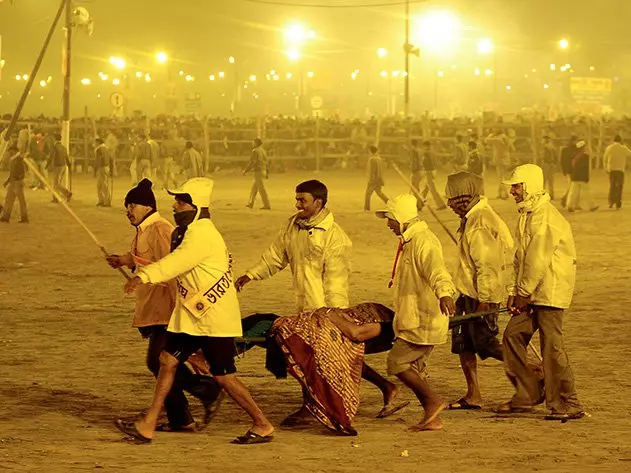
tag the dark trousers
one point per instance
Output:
(374, 188)
(616, 184)
(15, 190)
(205, 388)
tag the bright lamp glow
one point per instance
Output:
(162, 57)
(231, 59)
(438, 32)
(485, 46)
(252, 78)
(297, 34)
(293, 54)
(42, 83)
(564, 44)
(86, 81)
(382, 52)
(118, 62)
(116, 81)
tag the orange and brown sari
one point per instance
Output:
(326, 362)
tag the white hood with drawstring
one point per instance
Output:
(545, 256)
(421, 277)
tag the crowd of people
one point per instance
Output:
(168, 162)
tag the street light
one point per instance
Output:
(252, 78)
(382, 52)
(118, 62)
(297, 34)
(485, 46)
(438, 31)
(86, 81)
(162, 57)
(564, 44)
(293, 54)
(231, 59)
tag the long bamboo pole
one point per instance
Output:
(63, 203)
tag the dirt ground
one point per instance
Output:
(72, 363)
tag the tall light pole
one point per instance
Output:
(406, 89)
(65, 123)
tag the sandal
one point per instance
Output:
(390, 409)
(130, 429)
(166, 427)
(251, 438)
(463, 405)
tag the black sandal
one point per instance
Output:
(251, 438)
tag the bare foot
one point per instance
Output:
(144, 429)
(432, 414)
(436, 424)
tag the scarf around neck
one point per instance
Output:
(308, 224)
(183, 220)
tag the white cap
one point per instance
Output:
(199, 188)
(402, 209)
(530, 175)
(580, 144)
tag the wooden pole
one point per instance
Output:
(4, 143)
(63, 203)
(418, 196)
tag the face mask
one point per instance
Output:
(184, 219)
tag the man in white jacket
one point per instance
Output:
(318, 252)
(206, 314)
(479, 278)
(423, 303)
(545, 272)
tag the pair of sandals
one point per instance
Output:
(130, 429)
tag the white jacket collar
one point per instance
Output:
(150, 220)
(413, 229)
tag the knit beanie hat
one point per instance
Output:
(464, 183)
(142, 194)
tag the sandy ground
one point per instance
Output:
(72, 363)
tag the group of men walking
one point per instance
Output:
(195, 281)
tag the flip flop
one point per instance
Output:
(390, 409)
(166, 427)
(251, 438)
(130, 429)
(464, 405)
(565, 417)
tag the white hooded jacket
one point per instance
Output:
(420, 280)
(545, 257)
(482, 248)
(319, 259)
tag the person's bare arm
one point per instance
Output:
(357, 333)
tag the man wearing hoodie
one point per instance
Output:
(579, 187)
(479, 278)
(318, 252)
(206, 314)
(543, 286)
(423, 303)
(155, 303)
